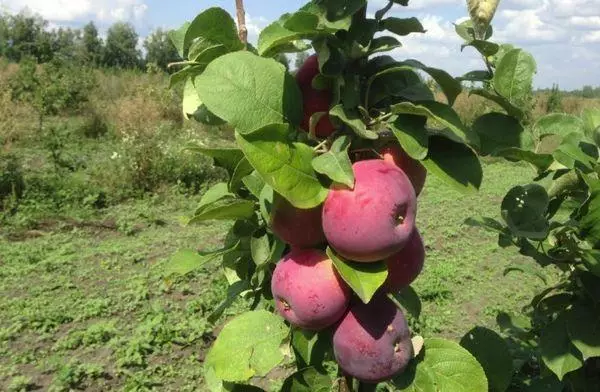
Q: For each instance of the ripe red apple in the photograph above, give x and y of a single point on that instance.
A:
(405, 266)
(375, 219)
(307, 72)
(308, 292)
(414, 169)
(315, 101)
(372, 342)
(297, 227)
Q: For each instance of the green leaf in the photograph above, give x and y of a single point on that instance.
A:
(308, 380)
(310, 347)
(524, 210)
(443, 366)
(213, 28)
(340, 9)
(476, 76)
(242, 170)
(233, 292)
(250, 92)
(225, 209)
(498, 131)
(178, 39)
(191, 100)
(412, 135)
(255, 338)
(254, 183)
(397, 82)
(217, 203)
(384, 44)
(444, 115)
(510, 109)
(514, 76)
(454, 163)
(206, 117)
(284, 165)
(276, 37)
(227, 158)
(466, 30)
(589, 224)
(591, 120)
(492, 353)
(583, 324)
(558, 124)
(450, 86)
(336, 163)
(353, 119)
(591, 258)
(363, 278)
(558, 353)
(186, 260)
(402, 26)
(571, 151)
(260, 248)
(486, 48)
(182, 75)
(410, 301)
(540, 161)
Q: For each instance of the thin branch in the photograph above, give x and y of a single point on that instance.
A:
(241, 17)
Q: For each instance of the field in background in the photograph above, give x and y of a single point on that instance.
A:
(84, 300)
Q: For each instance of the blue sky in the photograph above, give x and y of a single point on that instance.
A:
(563, 35)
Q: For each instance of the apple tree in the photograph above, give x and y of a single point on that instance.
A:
(323, 190)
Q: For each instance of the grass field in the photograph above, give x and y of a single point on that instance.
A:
(84, 303)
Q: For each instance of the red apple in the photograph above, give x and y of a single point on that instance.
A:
(372, 342)
(405, 266)
(414, 169)
(308, 291)
(295, 226)
(374, 220)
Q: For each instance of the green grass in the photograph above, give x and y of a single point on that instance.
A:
(84, 303)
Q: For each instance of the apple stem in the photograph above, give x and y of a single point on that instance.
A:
(241, 17)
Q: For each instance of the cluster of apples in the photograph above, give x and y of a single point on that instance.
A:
(372, 222)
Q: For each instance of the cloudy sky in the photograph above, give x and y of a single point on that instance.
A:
(563, 35)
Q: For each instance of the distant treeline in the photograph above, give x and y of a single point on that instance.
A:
(27, 36)
(585, 92)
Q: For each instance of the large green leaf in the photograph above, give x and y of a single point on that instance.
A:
(276, 36)
(308, 380)
(492, 353)
(397, 82)
(558, 124)
(558, 353)
(336, 163)
(498, 131)
(191, 100)
(514, 76)
(443, 366)
(402, 26)
(363, 278)
(444, 115)
(583, 324)
(412, 135)
(410, 301)
(572, 151)
(210, 30)
(178, 39)
(454, 163)
(524, 210)
(227, 158)
(540, 161)
(591, 120)
(589, 223)
(450, 86)
(353, 120)
(512, 110)
(284, 165)
(186, 260)
(249, 92)
(228, 208)
(247, 346)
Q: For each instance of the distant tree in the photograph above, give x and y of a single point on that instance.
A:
(64, 42)
(91, 45)
(160, 50)
(300, 59)
(121, 47)
(3, 34)
(27, 37)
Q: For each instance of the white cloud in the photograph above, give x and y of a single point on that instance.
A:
(591, 37)
(73, 10)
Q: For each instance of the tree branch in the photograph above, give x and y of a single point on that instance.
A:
(241, 17)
